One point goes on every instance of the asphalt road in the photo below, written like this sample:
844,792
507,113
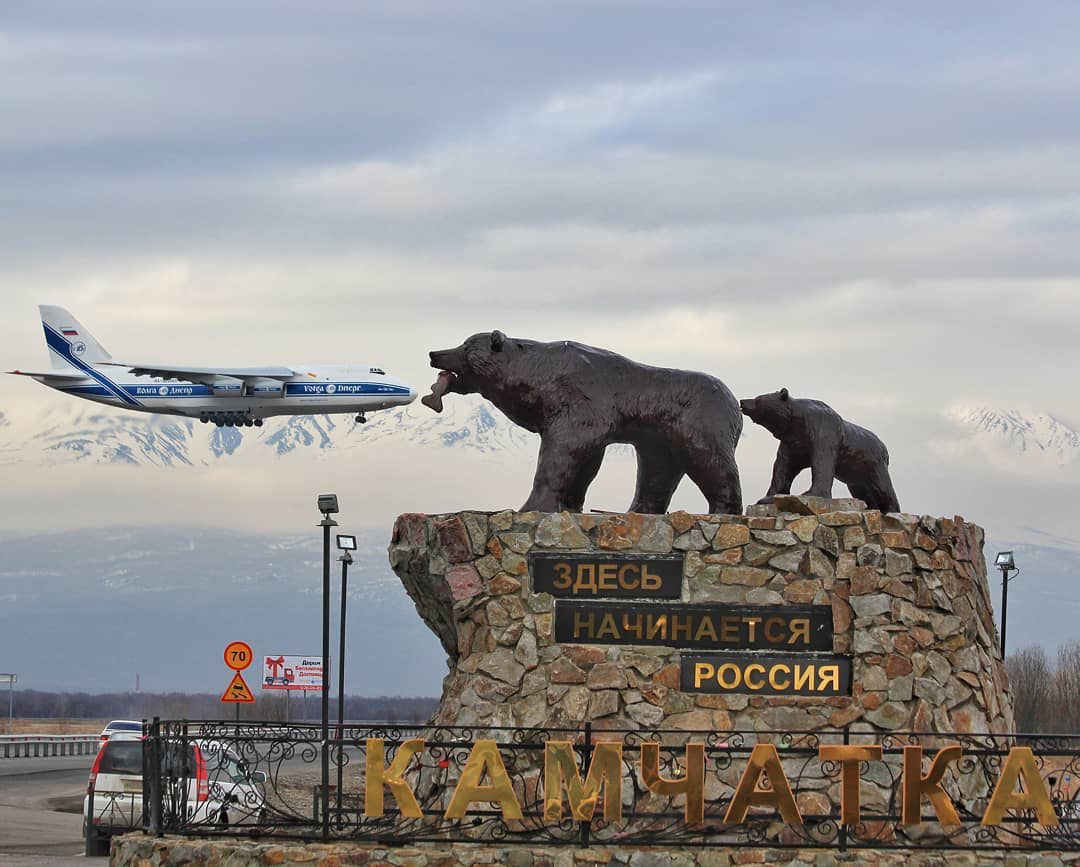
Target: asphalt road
41,803
41,809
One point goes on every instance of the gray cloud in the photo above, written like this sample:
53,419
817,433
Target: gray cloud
873,204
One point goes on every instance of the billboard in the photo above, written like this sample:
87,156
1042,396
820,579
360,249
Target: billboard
294,673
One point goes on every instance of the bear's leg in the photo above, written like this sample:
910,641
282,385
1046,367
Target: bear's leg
659,474
785,469
880,493
575,497
822,470
559,464
715,472
862,491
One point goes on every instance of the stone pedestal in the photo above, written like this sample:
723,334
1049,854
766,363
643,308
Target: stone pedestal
908,595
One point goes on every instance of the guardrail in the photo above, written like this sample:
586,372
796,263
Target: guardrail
40,746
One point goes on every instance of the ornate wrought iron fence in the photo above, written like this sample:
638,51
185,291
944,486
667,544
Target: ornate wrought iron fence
210,778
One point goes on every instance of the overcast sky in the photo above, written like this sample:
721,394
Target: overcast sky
874,204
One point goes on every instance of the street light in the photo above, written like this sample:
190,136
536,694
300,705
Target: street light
1006,564
346,544
328,505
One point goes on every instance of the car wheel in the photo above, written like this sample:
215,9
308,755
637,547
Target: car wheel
97,845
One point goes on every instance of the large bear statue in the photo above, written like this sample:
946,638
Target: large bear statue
581,399
812,434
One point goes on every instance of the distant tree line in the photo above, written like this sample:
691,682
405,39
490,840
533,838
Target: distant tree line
35,704
1046,692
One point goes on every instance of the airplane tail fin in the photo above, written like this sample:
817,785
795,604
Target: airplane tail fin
68,339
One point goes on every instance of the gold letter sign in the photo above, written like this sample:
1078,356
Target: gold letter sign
484,758
604,772
692,785
916,785
763,759
393,778
1021,761
849,758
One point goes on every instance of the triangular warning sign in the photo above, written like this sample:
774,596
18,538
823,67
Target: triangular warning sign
237,690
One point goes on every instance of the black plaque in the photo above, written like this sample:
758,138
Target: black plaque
603,575
766,674
792,628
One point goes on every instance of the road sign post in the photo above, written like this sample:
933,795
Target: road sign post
238,656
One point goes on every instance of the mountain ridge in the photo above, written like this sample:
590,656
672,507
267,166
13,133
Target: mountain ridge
102,435
1021,433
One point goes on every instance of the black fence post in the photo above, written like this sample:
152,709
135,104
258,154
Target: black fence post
586,826
842,836
155,778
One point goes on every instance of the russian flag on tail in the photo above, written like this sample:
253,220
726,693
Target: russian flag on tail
69,332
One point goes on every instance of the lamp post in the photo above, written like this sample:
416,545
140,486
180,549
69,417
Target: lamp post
1006,564
346,544
328,505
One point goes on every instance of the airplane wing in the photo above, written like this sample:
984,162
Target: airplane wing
52,374
207,375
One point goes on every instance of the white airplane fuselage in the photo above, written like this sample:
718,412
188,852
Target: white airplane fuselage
224,395
325,389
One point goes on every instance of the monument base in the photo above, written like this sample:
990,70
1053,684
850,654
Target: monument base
909,619
136,850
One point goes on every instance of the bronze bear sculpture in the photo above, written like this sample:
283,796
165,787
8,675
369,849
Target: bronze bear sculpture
812,434
580,399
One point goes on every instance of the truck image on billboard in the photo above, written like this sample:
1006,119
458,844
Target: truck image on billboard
294,673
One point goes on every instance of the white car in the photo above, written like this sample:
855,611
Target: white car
121,726
220,789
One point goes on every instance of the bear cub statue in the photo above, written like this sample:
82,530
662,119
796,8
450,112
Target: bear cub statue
812,434
580,399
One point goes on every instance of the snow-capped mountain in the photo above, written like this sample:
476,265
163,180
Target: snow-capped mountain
77,432
1034,435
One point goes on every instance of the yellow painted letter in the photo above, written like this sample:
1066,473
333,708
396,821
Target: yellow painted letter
378,775
484,758
916,786
692,785
763,759
849,758
605,771
1021,762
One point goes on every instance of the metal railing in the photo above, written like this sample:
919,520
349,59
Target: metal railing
39,746
264,779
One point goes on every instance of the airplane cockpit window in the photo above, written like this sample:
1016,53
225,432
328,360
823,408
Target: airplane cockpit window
377,370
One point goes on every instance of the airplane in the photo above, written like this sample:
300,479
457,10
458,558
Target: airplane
226,396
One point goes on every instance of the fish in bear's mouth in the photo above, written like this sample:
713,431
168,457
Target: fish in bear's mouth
440,387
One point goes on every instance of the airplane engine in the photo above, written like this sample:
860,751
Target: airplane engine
227,386
266,388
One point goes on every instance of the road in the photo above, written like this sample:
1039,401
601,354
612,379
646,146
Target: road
41,809
41,806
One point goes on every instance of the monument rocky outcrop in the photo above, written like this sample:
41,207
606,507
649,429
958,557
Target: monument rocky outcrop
898,603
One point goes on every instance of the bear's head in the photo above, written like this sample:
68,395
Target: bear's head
480,361
771,411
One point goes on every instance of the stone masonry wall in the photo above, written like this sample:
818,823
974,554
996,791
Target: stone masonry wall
909,597
135,850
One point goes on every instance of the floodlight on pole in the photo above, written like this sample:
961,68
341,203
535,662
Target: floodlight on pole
346,544
328,505
1006,563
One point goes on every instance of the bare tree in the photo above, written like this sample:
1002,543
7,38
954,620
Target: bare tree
1031,679
1066,688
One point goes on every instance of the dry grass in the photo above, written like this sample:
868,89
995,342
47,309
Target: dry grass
55,726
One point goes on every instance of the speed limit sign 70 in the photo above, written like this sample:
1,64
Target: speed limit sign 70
238,655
